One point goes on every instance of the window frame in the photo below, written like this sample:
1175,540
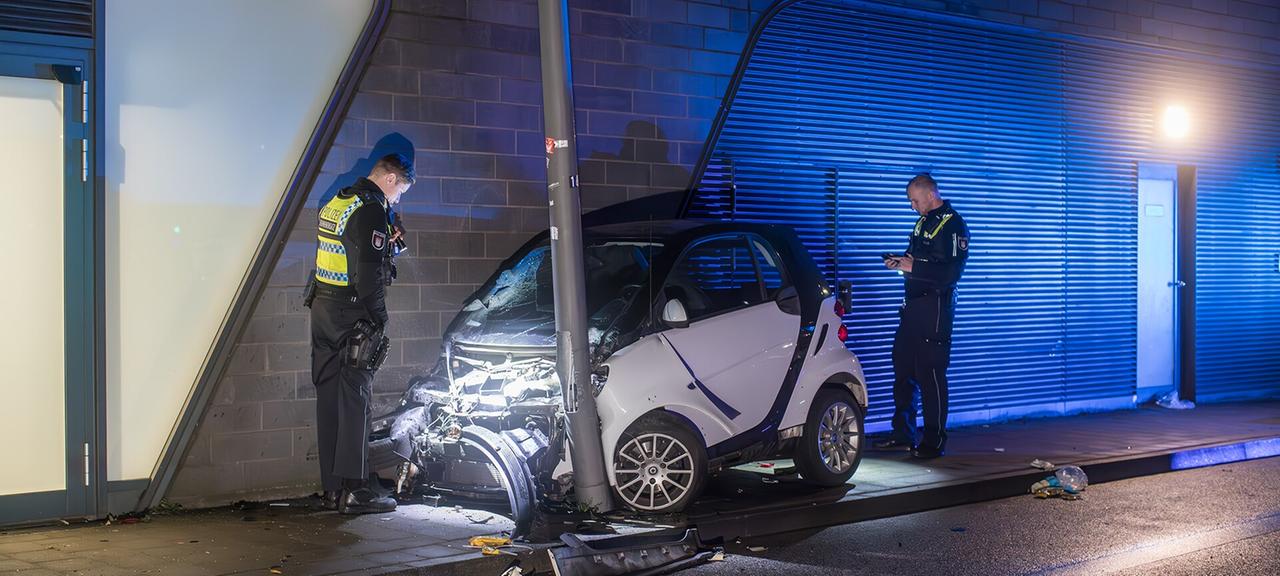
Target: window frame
745,239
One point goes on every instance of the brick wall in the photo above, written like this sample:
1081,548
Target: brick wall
457,82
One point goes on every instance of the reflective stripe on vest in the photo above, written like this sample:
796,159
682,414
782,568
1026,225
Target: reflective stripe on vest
331,262
938,228
331,256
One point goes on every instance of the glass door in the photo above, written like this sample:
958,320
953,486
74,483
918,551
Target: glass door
46,387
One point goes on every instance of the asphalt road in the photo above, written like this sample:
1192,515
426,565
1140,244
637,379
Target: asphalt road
1219,520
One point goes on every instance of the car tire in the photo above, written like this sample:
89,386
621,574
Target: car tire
833,441
660,465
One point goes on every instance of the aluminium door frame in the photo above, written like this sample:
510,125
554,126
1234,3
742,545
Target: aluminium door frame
71,61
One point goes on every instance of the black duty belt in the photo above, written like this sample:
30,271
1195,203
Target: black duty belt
341,293
929,292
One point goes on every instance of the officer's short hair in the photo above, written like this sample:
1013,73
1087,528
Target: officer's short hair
924,180
396,164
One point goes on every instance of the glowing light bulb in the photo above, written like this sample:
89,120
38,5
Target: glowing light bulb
1177,122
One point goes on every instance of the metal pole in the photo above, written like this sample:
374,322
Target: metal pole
567,269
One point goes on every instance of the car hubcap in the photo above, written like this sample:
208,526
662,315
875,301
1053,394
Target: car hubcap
653,471
838,437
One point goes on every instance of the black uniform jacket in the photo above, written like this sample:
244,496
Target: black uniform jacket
939,246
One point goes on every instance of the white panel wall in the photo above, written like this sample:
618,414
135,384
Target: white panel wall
209,105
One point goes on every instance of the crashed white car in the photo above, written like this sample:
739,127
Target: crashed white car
712,344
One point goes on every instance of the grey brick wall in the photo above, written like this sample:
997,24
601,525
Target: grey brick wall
460,80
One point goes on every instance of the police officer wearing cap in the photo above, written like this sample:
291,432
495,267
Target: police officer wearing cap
347,296
922,346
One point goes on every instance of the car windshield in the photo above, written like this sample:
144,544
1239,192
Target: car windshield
516,306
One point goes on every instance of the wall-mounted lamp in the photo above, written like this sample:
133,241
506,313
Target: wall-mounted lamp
1176,122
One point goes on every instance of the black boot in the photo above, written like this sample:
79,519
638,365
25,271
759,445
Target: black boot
365,501
329,499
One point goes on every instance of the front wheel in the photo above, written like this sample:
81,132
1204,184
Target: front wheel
659,465
831,446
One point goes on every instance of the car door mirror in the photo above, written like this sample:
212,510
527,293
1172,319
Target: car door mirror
788,300
674,315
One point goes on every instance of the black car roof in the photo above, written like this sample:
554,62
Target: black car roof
675,230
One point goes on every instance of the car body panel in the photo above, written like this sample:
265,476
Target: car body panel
826,360
740,357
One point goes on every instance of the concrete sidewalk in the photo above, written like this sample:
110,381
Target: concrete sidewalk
983,462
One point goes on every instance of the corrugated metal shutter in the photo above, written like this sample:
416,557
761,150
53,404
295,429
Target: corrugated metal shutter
61,17
1035,139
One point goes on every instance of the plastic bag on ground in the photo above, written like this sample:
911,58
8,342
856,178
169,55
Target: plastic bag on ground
1172,402
1067,482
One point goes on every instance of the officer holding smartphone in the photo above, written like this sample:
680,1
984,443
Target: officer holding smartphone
931,268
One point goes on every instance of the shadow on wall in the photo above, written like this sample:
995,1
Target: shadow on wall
393,143
645,143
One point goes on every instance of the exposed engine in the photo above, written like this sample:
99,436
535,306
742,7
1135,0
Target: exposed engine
485,425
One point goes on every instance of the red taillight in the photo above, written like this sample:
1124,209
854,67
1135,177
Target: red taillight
839,309
842,333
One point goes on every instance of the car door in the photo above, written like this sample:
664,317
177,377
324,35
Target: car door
739,342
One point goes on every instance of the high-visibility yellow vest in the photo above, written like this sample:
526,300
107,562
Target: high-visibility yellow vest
331,256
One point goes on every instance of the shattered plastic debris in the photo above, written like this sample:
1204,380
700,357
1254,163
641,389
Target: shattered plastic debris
479,541
1042,464
513,571
757,548
1172,402
1067,483
276,570
717,557
999,449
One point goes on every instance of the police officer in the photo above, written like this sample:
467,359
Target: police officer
922,346
353,268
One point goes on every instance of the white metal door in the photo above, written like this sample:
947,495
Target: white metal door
1157,280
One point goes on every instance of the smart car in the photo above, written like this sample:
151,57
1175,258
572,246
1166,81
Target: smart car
713,344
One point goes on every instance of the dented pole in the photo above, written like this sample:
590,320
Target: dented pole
567,268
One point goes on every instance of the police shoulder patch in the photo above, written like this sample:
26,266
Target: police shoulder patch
963,242
379,240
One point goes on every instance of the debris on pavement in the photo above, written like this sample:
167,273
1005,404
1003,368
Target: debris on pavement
999,449
479,541
717,557
513,571
489,545
1172,402
1042,464
757,548
1066,482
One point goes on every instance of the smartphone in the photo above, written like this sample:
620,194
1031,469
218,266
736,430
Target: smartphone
888,255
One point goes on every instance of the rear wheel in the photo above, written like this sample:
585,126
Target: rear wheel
659,465
831,447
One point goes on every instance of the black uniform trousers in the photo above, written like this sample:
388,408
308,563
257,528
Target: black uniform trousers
343,394
921,355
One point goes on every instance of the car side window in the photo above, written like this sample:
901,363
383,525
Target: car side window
771,271
715,276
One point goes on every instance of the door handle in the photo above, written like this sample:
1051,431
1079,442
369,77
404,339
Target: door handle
1177,284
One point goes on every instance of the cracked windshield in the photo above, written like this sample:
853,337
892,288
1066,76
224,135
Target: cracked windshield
516,306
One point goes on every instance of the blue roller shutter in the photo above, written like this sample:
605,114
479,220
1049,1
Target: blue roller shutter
1034,138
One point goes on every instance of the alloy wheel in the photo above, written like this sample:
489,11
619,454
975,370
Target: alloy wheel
838,437
653,471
